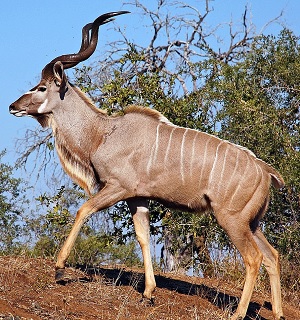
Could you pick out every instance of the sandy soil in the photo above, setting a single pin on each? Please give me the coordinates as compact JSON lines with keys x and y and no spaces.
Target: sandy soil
{"x":28,"y":291}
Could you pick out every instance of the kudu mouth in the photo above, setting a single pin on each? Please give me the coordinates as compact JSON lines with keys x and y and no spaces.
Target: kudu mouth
{"x":23,"y":112}
{"x":17,"y":113}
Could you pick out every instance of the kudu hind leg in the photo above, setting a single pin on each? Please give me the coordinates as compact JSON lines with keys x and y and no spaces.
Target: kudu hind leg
{"x":242,"y":238}
{"x":140,"y":215}
{"x":271,"y":263}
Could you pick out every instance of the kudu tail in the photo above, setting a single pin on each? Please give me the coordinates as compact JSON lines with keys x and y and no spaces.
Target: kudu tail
{"x":276,"y":177}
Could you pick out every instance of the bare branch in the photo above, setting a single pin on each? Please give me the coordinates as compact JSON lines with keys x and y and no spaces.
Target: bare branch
{"x":276,"y":19}
{"x":37,"y":144}
{"x":178,"y":40}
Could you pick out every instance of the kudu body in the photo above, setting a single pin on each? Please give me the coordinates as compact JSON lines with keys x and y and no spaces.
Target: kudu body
{"x":140,"y":156}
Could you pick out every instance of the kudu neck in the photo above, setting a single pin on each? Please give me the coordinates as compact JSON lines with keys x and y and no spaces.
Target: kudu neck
{"x":76,"y":119}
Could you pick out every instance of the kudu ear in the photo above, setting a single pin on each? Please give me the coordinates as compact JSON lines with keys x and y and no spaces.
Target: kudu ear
{"x":60,"y":77}
{"x":59,"y":74}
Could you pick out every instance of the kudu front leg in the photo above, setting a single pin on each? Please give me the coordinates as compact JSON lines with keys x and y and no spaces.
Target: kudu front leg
{"x":141,"y":220}
{"x":82,"y":215}
{"x":107,"y":197}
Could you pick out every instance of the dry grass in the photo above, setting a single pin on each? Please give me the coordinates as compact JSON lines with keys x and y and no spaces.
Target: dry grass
{"x":27,"y":291}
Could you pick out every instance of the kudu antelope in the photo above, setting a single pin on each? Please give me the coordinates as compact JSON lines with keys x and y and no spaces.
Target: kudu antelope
{"x":141,"y":155}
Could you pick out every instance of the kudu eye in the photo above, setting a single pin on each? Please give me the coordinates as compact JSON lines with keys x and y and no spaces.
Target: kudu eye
{"x":42,"y":89}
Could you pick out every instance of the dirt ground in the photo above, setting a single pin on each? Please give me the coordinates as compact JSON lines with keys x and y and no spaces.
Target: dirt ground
{"x":28,"y":291}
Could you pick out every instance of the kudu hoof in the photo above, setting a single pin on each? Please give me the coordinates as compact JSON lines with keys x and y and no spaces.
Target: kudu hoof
{"x":234,"y":317}
{"x":59,"y":276}
{"x":147,"y":301}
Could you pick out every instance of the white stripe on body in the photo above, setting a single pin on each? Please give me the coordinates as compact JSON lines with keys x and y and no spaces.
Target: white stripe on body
{"x":156,"y":143}
{"x":182,"y":156}
{"x":193,"y":153}
{"x":154,"y":150}
{"x":204,"y":160}
{"x":212,"y":171}
{"x":220,"y":184}
{"x":168,"y":147}
{"x":232,"y":175}
{"x":239,"y":186}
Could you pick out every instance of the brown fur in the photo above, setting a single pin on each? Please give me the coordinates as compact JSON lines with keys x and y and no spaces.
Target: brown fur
{"x":152,"y":113}
{"x":141,"y":156}
{"x":78,"y":168}
{"x":142,"y":110}
{"x":87,"y":101}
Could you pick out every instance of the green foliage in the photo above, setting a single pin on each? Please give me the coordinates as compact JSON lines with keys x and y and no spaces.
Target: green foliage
{"x":12,"y":200}
{"x":252,"y":101}
{"x":53,"y":227}
{"x":260,"y":111}
{"x":92,"y":246}
{"x":149,"y":88}
{"x":104,"y":249}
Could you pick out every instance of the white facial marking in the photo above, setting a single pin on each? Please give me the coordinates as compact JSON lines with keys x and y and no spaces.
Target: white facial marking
{"x":30,"y":92}
{"x":43,"y":106}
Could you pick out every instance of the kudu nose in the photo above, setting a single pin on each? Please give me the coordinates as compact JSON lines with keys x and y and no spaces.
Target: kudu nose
{"x":14,"y":111}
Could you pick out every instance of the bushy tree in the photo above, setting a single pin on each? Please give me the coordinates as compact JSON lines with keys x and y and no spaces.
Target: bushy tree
{"x":246,"y":93}
{"x":95,"y":243}
{"x":260,"y":111}
{"x":12,"y":201}
{"x":170,"y":73}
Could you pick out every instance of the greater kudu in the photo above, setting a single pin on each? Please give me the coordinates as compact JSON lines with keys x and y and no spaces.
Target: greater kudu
{"x":140,"y":156}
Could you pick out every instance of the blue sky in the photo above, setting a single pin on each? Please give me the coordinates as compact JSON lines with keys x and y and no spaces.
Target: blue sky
{"x":34,"y":32}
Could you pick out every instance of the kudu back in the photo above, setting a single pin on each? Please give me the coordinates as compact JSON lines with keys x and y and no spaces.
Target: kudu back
{"x":141,"y":156}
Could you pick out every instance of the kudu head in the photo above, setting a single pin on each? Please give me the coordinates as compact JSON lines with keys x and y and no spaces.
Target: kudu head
{"x":41,"y":100}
